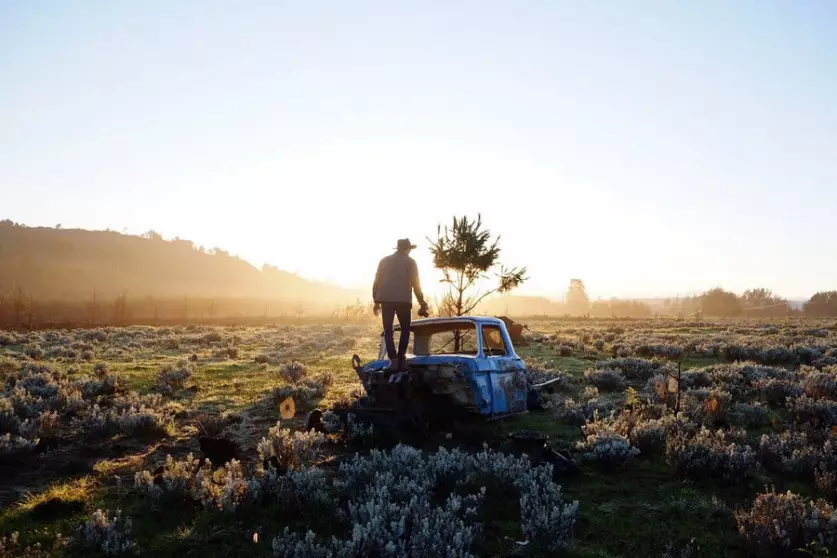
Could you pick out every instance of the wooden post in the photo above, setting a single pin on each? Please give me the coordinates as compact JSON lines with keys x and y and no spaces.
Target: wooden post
{"x":679,"y":374}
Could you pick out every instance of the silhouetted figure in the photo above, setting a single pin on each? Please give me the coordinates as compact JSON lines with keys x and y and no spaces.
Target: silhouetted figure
{"x":395,"y":281}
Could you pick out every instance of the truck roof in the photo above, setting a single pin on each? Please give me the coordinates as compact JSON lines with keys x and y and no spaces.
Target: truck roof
{"x":477,"y":320}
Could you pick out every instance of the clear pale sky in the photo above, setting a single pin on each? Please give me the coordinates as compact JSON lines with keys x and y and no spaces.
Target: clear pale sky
{"x":649,"y":148}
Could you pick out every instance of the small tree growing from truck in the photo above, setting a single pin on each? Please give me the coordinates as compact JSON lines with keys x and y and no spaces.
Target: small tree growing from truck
{"x":466,"y":253}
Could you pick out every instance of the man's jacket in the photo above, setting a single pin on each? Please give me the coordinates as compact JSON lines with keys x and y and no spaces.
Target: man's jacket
{"x":396,"y":279}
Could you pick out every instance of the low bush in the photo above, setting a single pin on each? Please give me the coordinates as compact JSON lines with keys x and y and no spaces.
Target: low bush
{"x":639,"y":425}
{"x":228,"y":352}
{"x":572,"y":412}
{"x":188,"y":480}
{"x":565,"y":350}
{"x":286,"y":451}
{"x":632,"y":368}
{"x":775,"y":449}
{"x":35,"y":352}
{"x":305,"y":393}
{"x":293,"y":372}
{"x":816,"y":413}
{"x":172,"y":378}
{"x":742,"y":379}
{"x":695,"y":379}
{"x":642,"y":428}
{"x":659,"y":351}
{"x":12,"y":547}
{"x":825,"y":479}
{"x":331,"y":422}
{"x":170,"y":343}
{"x":709,"y":407}
{"x":128,"y":420}
{"x":793,"y":453}
{"x":590,"y":393}
{"x":774,"y":392}
{"x":819,"y":384}
{"x":211,"y":338}
{"x":607,"y":449}
{"x":711,"y":454}
{"x":619,"y":350}
{"x":7,"y":339}
{"x":749,"y":415}
{"x":102,"y":385}
{"x":293,"y":490}
{"x":100,"y":369}
{"x":108,"y":535}
{"x":778,"y":523}
{"x":606,"y":379}
{"x":15,"y":444}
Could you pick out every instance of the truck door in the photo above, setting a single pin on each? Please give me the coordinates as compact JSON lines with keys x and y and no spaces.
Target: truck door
{"x":506,"y":371}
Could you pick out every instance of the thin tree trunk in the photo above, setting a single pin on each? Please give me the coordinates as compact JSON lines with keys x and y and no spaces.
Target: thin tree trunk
{"x":457,"y":343}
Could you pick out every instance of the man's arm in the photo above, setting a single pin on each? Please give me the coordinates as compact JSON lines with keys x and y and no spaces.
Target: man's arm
{"x":416,"y":284}
{"x":377,"y":282}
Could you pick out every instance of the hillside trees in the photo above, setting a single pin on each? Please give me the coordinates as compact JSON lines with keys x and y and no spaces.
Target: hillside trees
{"x":762,"y":302}
{"x":718,"y":302}
{"x":822,"y":304}
{"x":62,"y":275}
{"x":620,"y":308}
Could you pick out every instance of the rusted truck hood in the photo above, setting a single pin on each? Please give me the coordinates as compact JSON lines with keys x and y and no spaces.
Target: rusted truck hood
{"x":463,"y":362}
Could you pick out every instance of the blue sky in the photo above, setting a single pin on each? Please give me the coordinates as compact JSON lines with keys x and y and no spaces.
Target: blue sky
{"x":650,"y":148}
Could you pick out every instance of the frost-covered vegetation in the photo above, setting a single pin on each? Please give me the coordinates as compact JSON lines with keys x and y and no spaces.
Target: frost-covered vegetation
{"x":385,"y":500}
{"x":677,"y":428}
{"x":109,"y":535}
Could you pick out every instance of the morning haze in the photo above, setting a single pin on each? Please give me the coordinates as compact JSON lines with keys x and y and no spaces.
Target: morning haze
{"x":418,"y":279}
{"x":652,"y":152}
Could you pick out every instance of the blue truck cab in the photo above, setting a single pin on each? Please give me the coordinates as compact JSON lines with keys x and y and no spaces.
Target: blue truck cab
{"x":467,"y":362}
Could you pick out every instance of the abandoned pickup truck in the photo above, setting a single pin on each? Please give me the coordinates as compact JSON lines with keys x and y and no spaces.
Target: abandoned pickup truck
{"x":457,"y":367}
{"x":467,"y":363}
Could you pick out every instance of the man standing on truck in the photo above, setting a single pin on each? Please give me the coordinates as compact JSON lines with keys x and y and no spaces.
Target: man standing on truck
{"x":395,"y":281}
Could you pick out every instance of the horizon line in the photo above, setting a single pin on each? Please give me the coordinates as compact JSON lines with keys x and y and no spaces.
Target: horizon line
{"x":354,"y":287}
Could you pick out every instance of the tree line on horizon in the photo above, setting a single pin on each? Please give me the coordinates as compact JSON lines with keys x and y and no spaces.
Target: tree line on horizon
{"x":715,"y":303}
{"x":466,"y":252}
{"x":74,"y":276}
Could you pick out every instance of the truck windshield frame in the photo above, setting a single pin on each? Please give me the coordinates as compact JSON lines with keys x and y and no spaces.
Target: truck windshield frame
{"x":439,"y":339}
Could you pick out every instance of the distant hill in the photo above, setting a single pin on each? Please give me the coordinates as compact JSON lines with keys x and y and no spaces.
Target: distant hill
{"x":68,"y":264}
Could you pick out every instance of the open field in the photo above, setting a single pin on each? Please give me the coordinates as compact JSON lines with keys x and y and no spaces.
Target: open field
{"x":88,"y":418}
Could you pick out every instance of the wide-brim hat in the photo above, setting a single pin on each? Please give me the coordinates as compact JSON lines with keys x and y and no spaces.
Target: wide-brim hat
{"x":404,"y":243}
